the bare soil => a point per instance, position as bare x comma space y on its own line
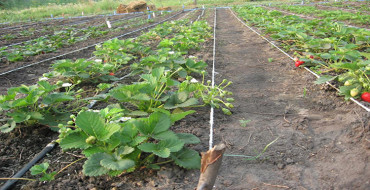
323, 141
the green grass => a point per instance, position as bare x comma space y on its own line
58, 10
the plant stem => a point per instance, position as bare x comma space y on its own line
9, 178
69, 165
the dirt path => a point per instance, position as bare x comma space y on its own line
323, 141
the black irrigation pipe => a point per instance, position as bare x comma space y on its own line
25, 168
87, 47
52, 144
116, 20
47, 21
44, 20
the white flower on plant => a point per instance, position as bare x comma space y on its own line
42, 105
66, 84
124, 118
43, 78
193, 80
171, 52
98, 60
191, 57
96, 111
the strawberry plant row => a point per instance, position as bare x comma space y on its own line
30, 33
326, 47
132, 134
330, 15
59, 39
359, 7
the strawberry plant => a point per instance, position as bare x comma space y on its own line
338, 15
88, 70
41, 103
114, 148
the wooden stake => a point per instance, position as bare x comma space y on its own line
210, 164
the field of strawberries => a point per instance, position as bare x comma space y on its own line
130, 101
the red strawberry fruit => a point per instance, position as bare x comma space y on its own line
111, 74
365, 96
298, 63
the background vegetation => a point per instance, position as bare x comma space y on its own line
24, 10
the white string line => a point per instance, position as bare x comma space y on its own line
122, 19
200, 15
61, 20
48, 59
185, 15
211, 120
135, 38
316, 75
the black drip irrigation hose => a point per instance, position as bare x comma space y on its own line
47, 21
25, 168
98, 25
52, 144
87, 47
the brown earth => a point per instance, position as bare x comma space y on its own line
322, 141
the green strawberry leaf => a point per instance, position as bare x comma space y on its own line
187, 158
188, 138
121, 164
74, 140
92, 166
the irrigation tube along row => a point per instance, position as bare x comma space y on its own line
93, 45
63, 18
120, 19
309, 70
52, 144
82, 28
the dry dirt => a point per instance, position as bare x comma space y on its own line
322, 141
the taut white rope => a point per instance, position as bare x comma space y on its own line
213, 82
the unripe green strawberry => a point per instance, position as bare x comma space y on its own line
230, 99
354, 92
91, 140
229, 105
226, 111
348, 83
